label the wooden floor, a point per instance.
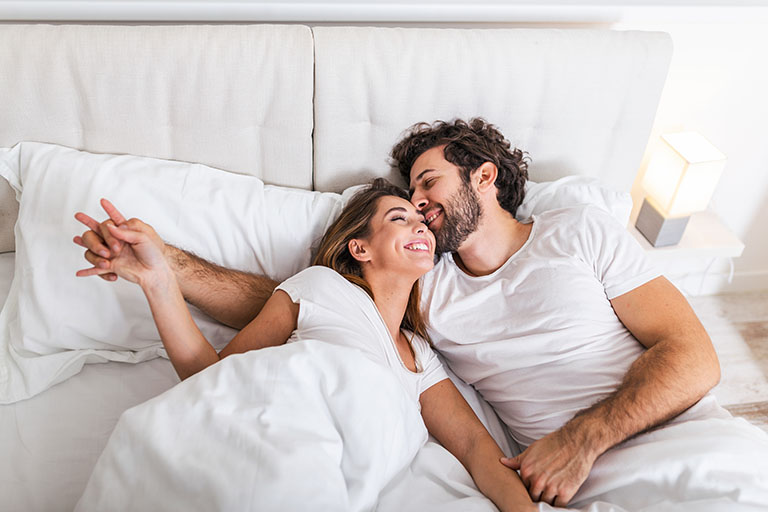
(738, 326)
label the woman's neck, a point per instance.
(390, 294)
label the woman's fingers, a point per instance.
(96, 271)
(125, 234)
(113, 213)
(88, 221)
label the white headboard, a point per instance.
(321, 107)
(579, 101)
(236, 97)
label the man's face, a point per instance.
(449, 204)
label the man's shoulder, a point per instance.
(575, 219)
(574, 212)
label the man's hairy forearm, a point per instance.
(666, 380)
(230, 296)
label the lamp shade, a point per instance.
(683, 173)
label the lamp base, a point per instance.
(657, 229)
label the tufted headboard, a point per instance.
(579, 101)
(321, 107)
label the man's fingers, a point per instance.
(96, 260)
(111, 242)
(535, 490)
(92, 242)
(565, 495)
(513, 463)
(113, 213)
(549, 496)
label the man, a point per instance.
(558, 323)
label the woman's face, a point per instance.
(399, 240)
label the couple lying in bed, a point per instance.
(559, 323)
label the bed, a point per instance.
(188, 126)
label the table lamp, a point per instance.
(680, 179)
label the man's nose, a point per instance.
(419, 201)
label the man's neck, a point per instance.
(495, 241)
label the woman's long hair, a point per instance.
(354, 222)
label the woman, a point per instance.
(362, 292)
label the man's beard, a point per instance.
(461, 216)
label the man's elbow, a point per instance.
(709, 366)
(714, 370)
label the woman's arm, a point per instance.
(142, 262)
(230, 296)
(451, 421)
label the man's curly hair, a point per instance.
(467, 146)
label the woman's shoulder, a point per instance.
(317, 272)
(313, 277)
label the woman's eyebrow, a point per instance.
(396, 208)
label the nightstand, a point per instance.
(688, 263)
(705, 236)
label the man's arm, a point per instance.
(230, 296)
(678, 368)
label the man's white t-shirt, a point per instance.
(333, 310)
(538, 338)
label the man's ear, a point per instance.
(485, 176)
(359, 250)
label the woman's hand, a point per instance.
(130, 249)
(140, 261)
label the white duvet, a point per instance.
(313, 426)
(307, 425)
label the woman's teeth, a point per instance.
(417, 247)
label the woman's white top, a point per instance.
(333, 310)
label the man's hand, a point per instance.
(103, 246)
(554, 467)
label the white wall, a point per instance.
(718, 85)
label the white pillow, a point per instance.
(565, 192)
(573, 191)
(53, 322)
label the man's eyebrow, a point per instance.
(419, 177)
(422, 173)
